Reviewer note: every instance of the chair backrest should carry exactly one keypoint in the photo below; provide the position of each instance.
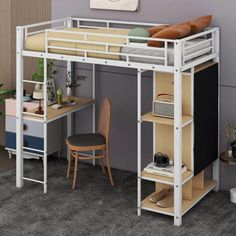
(104, 119)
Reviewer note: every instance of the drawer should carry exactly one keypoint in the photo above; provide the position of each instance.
(29, 141)
(33, 137)
(10, 109)
(31, 128)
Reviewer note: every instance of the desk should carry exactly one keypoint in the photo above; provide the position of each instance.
(43, 124)
(54, 114)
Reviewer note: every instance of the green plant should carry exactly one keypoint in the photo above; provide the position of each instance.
(2, 100)
(39, 76)
(72, 80)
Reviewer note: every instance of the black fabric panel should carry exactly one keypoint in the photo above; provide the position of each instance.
(205, 118)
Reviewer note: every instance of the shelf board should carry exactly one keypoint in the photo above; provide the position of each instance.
(166, 121)
(165, 180)
(187, 204)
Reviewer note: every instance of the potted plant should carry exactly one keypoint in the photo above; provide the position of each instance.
(72, 82)
(39, 76)
(230, 137)
(3, 92)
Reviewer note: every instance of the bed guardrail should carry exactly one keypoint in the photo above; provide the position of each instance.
(187, 54)
(106, 45)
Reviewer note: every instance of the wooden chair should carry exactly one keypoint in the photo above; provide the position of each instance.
(98, 142)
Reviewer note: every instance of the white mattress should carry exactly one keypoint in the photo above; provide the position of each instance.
(144, 49)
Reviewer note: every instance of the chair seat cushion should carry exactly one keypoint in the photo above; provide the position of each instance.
(85, 140)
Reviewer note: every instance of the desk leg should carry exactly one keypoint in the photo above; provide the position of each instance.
(69, 130)
(94, 107)
(69, 117)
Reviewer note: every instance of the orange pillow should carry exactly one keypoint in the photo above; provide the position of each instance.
(155, 29)
(200, 24)
(172, 32)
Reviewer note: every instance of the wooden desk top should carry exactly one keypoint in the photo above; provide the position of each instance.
(54, 114)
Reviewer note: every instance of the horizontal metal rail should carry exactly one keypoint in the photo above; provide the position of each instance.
(33, 149)
(198, 35)
(32, 82)
(45, 23)
(99, 43)
(43, 30)
(105, 52)
(114, 22)
(33, 180)
(198, 53)
(198, 44)
(110, 35)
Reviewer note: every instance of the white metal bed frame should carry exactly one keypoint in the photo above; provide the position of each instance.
(181, 63)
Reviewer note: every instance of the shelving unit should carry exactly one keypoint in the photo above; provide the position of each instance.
(177, 138)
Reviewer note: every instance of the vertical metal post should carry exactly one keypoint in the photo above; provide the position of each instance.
(154, 124)
(45, 133)
(177, 134)
(94, 105)
(139, 138)
(216, 163)
(19, 106)
(70, 116)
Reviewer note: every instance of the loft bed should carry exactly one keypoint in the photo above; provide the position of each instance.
(106, 42)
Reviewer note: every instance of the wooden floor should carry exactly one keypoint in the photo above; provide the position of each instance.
(5, 163)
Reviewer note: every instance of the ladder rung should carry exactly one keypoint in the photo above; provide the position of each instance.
(32, 82)
(33, 180)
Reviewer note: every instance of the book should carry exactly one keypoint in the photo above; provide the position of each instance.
(167, 171)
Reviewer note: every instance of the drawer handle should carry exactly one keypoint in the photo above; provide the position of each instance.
(24, 109)
(25, 127)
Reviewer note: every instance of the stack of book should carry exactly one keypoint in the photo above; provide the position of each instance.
(167, 171)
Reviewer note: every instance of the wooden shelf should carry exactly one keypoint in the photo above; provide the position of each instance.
(55, 114)
(166, 121)
(165, 180)
(187, 204)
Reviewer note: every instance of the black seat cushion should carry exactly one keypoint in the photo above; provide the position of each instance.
(84, 140)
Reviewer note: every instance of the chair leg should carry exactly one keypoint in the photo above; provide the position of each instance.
(102, 165)
(69, 165)
(75, 173)
(108, 167)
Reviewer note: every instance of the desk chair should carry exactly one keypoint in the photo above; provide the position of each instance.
(98, 142)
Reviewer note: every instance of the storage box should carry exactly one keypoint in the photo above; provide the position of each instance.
(11, 106)
(164, 106)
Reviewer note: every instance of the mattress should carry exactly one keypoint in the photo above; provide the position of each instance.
(37, 43)
(144, 49)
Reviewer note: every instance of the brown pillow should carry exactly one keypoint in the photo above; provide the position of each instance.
(172, 32)
(200, 24)
(155, 29)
